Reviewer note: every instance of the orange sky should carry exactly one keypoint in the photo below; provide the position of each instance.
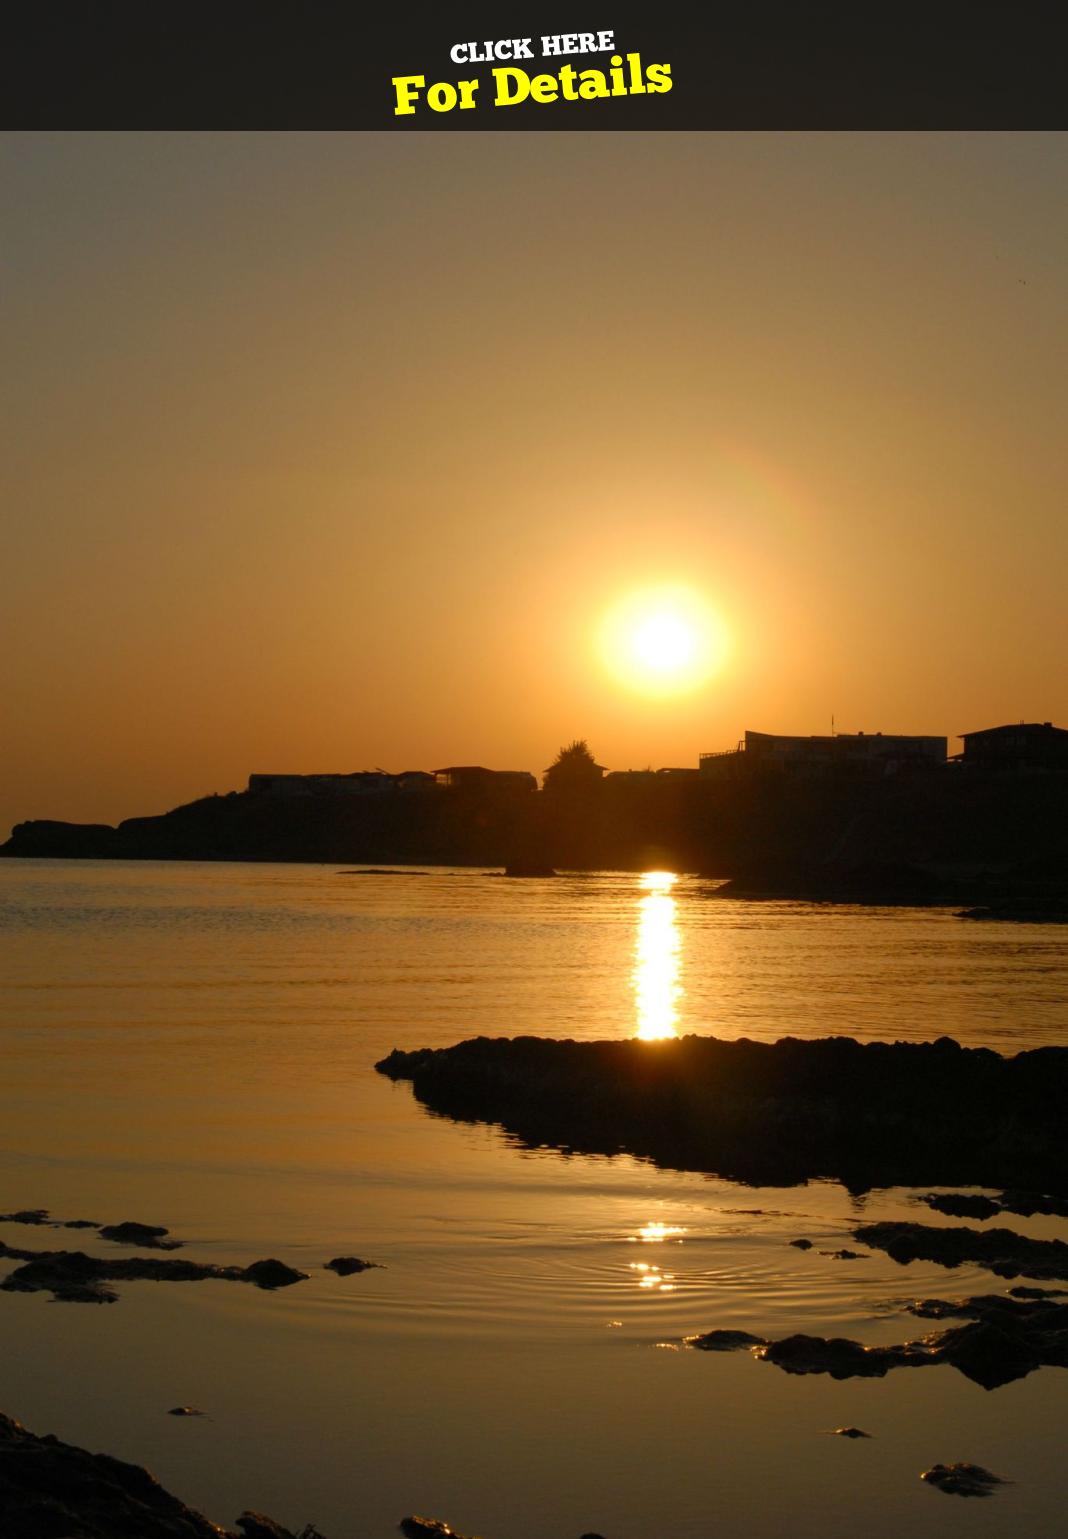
(328, 451)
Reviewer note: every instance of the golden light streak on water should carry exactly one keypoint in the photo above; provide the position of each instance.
(656, 970)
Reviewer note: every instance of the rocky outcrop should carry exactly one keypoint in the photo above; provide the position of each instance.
(130, 1233)
(347, 1266)
(53, 1490)
(962, 1479)
(74, 1277)
(1006, 1338)
(870, 1114)
(1001, 1251)
(978, 1205)
(725, 1341)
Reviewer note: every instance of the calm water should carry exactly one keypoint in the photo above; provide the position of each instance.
(192, 1045)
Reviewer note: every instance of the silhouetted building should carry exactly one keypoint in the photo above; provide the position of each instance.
(1025, 747)
(473, 777)
(649, 776)
(866, 754)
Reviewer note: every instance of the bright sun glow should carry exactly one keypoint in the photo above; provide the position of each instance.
(663, 641)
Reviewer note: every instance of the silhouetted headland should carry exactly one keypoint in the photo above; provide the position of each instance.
(868, 1114)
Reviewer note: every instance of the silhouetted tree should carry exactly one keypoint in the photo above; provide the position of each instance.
(573, 769)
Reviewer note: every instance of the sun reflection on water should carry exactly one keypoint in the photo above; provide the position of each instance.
(656, 969)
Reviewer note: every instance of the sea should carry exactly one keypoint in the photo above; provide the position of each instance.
(193, 1045)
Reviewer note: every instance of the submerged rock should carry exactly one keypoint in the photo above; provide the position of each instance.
(54, 1490)
(1005, 1338)
(269, 1274)
(254, 1525)
(842, 1358)
(962, 1479)
(962, 1204)
(977, 1205)
(429, 1528)
(73, 1277)
(1001, 1251)
(1027, 1204)
(184, 1410)
(725, 1341)
(130, 1233)
(345, 1266)
(853, 1432)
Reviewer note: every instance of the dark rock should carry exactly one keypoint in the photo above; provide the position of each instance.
(962, 1204)
(1006, 1339)
(1019, 913)
(725, 1341)
(130, 1233)
(254, 1525)
(345, 1266)
(428, 1528)
(869, 1114)
(962, 1479)
(184, 1410)
(71, 1275)
(26, 1216)
(853, 1432)
(1027, 1204)
(53, 1490)
(841, 1358)
(845, 1255)
(938, 1309)
(988, 1354)
(802, 1244)
(1001, 1251)
(80, 1223)
(272, 1274)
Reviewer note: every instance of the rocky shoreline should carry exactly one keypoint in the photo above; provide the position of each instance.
(867, 1114)
(53, 1490)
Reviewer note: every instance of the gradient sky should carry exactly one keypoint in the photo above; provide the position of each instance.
(327, 451)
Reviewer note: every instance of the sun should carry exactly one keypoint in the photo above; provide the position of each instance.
(663, 641)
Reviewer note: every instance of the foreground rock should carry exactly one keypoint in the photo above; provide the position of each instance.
(129, 1233)
(978, 1205)
(74, 1277)
(725, 1341)
(1001, 1251)
(842, 1358)
(53, 1490)
(428, 1528)
(346, 1266)
(1007, 1337)
(126, 1233)
(869, 1114)
(962, 1479)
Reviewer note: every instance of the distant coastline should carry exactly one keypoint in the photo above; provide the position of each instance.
(992, 837)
